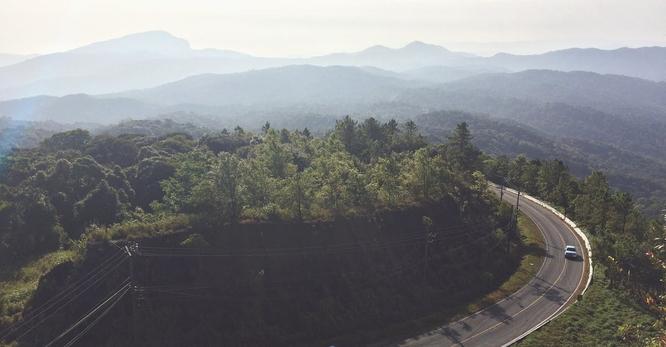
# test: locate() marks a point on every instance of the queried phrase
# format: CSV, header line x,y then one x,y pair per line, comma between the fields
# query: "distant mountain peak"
x,y
156,41
422,45
376,49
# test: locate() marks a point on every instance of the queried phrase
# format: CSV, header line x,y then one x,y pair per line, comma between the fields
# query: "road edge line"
x,y
582,235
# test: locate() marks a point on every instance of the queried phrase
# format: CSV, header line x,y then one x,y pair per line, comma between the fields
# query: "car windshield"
x,y
571,248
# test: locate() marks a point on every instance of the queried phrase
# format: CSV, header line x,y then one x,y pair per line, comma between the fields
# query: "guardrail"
x,y
582,235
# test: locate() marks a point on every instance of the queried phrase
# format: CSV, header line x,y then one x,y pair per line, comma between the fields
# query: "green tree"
x,y
411,138
385,180
346,130
227,175
591,206
113,150
461,151
100,206
70,140
265,128
273,154
190,170
421,175
149,175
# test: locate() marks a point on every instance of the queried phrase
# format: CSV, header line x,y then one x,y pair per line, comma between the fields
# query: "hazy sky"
x,y
309,27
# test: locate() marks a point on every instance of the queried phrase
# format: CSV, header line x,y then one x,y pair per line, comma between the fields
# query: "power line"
x,y
184,252
124,287
76,289
68,291
63,305
176,288
225,298
73,286
262,251
318,250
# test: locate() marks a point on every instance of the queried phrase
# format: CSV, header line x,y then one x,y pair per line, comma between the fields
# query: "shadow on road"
x,y
452,334
498,313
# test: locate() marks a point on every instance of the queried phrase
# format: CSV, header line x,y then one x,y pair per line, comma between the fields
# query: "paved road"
x,y
553,287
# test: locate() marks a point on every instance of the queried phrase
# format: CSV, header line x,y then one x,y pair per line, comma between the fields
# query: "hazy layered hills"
x,y
289,85
546,100
298,88
412,56
632,97
645,62
10,59
627,170
587,119
76,108
153,58
135,61
627,112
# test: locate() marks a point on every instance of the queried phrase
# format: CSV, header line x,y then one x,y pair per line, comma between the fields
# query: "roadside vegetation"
x,y
604,317
628,248
18,283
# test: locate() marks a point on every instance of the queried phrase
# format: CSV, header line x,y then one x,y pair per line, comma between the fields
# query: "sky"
x,y
298,28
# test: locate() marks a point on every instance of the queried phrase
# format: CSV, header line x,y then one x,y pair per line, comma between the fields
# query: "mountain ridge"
x,y
153,58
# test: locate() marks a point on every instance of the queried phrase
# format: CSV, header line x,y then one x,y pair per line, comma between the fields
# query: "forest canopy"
x,y
73,183
74,187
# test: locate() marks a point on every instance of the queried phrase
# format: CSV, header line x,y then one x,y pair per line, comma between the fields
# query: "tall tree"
x,y
100,206
227,182
461,151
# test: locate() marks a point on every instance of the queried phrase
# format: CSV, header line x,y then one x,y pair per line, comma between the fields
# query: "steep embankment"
x,y
291,283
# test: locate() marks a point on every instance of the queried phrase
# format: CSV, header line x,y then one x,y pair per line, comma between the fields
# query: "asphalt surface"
x,y
553,287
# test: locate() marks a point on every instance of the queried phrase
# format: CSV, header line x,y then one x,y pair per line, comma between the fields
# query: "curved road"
x,y
554,286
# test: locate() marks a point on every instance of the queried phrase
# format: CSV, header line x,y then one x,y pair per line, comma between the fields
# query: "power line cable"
x,y
327,251
57,309
332,249
68,291
124,287
72,286
461,227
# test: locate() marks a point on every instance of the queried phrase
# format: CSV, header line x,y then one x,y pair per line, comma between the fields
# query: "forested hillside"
x,y
74,180
371,186
238,191
630,171
591,121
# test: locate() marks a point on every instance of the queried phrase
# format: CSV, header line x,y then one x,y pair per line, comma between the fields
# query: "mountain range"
x,y
153,58
11,59
612,116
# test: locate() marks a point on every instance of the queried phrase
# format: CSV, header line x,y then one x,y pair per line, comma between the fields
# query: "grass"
x,y
138,226
18,283
604,317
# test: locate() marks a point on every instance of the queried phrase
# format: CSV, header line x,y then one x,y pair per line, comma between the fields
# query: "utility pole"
x,y
501,193
429,238
425,263
132,249
517,201
513,228
508,231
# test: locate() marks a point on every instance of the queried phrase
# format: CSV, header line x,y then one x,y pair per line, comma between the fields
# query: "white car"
x,y
570,252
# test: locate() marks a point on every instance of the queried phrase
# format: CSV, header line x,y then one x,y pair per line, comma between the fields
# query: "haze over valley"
x,y
332,173
582,100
